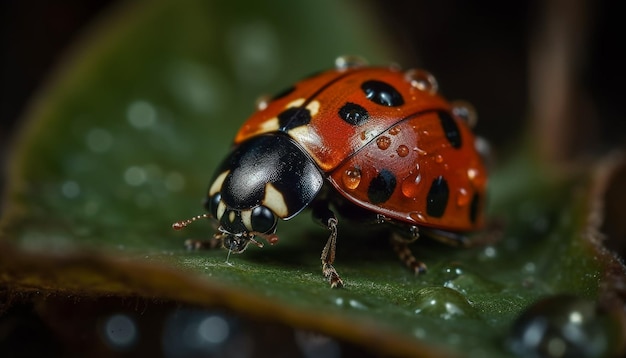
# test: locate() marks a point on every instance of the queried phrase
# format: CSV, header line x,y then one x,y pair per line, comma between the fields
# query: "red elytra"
x,y
407,140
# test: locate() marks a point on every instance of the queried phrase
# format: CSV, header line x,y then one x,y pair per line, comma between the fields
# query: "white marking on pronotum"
x,y
275,200
217,184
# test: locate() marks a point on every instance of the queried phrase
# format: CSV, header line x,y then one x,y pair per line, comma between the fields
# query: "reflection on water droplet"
x,y
70,189
472,174
383,142
135,176
443,302
403,150
349,61
462,197
351,178
174,181
120,332
141,114
350,303
422,80
564,326
438,158
411,185
99,140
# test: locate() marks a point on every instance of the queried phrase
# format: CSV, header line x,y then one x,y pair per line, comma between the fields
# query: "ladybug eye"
x,y
262,220
212,203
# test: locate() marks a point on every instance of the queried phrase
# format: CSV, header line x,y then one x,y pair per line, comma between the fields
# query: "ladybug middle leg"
x,y
323,215
400,244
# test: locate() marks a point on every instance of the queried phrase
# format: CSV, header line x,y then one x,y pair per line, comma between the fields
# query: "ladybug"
x,y
374,144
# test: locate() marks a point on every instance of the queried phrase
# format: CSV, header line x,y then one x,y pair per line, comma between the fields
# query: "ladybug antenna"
x,y
179,225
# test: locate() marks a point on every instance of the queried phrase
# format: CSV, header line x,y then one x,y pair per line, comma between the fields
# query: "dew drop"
x,y
383,142
462,197
394,130
411,186
349,61
465,111
438,159
418,216
422,80
403,150
352,178
262,102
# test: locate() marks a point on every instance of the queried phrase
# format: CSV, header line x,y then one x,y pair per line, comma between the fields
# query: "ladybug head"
x,y
237,228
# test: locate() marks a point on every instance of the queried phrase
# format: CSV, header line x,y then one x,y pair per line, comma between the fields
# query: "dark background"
x,y
478,51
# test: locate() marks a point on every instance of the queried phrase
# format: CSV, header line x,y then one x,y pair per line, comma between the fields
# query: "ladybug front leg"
x,y
400,245
323,215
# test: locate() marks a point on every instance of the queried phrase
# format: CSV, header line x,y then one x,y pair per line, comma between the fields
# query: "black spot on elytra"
x,y
294,117
474,208
381,187
283,93
450,128
437,198
353,114
382,93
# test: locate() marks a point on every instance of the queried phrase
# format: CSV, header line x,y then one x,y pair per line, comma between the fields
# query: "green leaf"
x,y
124,140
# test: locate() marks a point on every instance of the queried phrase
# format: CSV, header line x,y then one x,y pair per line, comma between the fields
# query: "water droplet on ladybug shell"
x,y
383,142
411,185
417,216
466,112
403,150
462,197
351,178
349,61
394,130
262,102
472,174
438,159
422,80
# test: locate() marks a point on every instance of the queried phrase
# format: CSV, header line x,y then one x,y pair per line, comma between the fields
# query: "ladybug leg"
x,y
400,245
328,257
327,218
